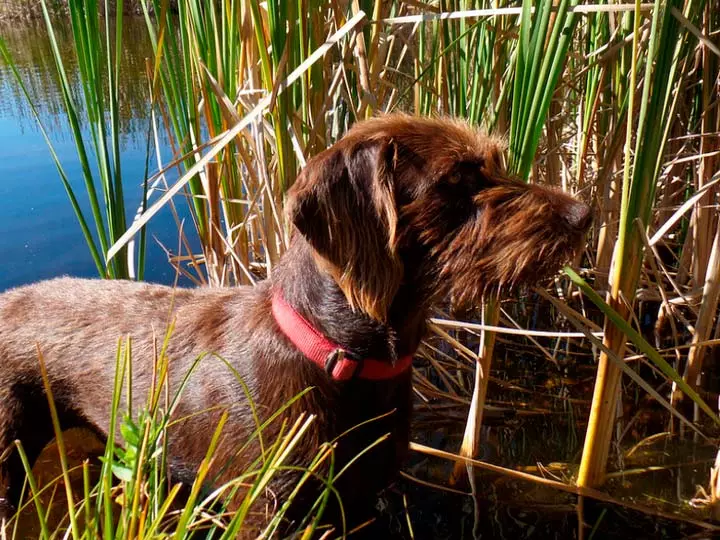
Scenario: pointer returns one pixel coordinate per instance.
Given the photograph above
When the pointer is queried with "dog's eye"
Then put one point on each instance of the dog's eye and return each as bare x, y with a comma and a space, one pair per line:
454, 179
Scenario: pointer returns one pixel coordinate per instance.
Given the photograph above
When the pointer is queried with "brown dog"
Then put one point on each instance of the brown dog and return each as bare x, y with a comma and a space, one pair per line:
400, 214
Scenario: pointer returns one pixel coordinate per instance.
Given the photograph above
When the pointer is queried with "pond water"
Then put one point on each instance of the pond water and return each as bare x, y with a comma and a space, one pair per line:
39, 234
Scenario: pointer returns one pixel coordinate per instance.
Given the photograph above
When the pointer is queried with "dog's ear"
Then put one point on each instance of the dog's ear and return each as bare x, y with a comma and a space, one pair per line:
343, 203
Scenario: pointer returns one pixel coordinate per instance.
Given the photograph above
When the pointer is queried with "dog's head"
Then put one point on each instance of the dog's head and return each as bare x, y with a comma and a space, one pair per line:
426, 201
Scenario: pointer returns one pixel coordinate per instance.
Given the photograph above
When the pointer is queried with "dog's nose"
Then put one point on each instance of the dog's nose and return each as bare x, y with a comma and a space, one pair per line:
578, 215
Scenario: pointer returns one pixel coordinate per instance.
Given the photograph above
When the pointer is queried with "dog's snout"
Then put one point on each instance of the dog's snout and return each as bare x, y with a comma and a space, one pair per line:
577, 214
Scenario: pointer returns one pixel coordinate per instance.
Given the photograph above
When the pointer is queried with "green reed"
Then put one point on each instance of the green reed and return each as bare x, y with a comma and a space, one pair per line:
664, 54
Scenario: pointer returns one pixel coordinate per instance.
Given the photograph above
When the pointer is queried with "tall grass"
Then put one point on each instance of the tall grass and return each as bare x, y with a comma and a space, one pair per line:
132, 496
539, 57
614, 102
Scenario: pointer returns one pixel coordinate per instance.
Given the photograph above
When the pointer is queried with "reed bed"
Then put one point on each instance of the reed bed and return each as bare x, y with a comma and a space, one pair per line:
597, 387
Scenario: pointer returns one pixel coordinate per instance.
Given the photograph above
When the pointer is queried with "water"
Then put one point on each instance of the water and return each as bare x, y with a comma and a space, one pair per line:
39, 234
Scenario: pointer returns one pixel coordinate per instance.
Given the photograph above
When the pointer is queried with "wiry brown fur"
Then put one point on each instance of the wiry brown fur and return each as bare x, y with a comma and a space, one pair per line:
400, 214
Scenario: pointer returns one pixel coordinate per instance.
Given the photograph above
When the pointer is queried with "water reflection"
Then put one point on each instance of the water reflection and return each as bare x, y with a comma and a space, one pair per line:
30, 47
39, 234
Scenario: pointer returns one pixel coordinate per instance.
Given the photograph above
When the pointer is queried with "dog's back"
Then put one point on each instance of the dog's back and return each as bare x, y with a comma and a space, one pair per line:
84, 319
76, 325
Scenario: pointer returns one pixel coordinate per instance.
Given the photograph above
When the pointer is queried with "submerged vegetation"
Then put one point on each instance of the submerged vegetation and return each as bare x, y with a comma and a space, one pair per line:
617, 103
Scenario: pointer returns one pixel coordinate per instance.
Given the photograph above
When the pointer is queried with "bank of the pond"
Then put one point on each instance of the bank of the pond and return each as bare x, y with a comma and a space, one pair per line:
32, 9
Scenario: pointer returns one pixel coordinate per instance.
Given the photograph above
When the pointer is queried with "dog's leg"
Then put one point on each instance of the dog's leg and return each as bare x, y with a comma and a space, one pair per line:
24, 416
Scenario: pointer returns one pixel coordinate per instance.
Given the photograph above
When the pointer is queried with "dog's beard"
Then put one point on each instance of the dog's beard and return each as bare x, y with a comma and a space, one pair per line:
507, 272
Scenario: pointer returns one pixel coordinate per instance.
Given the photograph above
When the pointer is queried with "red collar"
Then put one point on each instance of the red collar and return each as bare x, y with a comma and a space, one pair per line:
340, 363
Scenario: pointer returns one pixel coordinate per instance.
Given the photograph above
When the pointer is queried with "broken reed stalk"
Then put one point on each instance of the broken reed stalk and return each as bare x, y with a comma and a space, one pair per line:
471, 439
708, 308
706, 257
561, 486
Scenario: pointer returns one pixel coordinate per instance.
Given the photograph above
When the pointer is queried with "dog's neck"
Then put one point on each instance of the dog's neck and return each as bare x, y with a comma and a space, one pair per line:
317, 297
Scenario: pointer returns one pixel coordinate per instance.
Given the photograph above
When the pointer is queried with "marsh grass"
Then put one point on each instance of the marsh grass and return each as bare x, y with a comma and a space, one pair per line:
130, 495
614, 102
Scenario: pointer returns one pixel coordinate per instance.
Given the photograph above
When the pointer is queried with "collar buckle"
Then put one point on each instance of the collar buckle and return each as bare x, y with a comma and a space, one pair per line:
339, 355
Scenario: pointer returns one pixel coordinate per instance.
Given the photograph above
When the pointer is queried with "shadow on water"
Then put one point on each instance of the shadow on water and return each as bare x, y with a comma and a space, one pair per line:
40, 235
